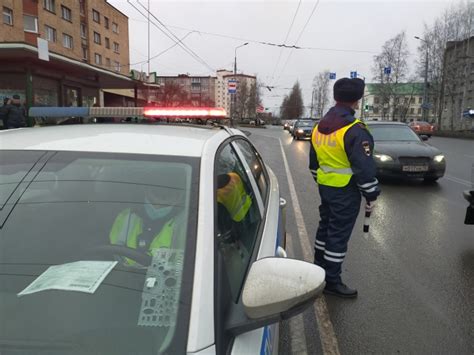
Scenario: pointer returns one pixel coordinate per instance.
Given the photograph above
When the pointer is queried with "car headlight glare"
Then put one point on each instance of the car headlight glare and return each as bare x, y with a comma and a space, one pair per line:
383, 157
300, 131
439, 158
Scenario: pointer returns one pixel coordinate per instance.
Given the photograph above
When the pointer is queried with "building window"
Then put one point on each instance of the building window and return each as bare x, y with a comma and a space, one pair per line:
107, 62
30, 23
98, 59
116, 47
96, 16
107, 43
376, 110
376, 100
84, 53
97, 38
115, 28
83, 30
49, 5
412, 111
82, 7
50, 33
67, 41
195, 80
106, 22
420, 100
66, 13
419, 111
116, 66
7, 16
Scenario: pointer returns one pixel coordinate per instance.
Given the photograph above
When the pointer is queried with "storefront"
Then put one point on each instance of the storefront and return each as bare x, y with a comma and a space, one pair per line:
58, 82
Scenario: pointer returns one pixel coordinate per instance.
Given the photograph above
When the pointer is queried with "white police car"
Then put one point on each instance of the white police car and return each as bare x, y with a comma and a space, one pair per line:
215, 282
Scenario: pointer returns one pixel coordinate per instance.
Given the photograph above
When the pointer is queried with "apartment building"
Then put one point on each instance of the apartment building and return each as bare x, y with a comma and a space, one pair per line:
186, 90
87, 42
400, 102
223, 98
458, 85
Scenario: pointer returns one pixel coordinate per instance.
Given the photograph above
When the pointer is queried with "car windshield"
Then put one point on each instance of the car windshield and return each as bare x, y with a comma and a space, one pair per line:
305, 124
384, 133
67, 215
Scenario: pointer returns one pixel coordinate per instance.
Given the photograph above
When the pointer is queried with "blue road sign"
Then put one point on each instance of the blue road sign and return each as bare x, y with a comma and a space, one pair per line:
332, 76
387, 70
353, 74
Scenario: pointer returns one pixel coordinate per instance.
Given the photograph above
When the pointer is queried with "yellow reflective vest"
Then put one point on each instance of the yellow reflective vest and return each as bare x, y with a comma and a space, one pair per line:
127, 228
234, 198
334, 166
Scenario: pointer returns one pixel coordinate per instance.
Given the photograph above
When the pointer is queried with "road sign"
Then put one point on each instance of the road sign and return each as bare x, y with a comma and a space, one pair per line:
387, 70
232, 86
332, 76
353, 74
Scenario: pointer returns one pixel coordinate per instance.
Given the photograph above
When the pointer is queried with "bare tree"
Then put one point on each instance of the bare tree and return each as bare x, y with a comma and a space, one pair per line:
395, 55
455, 24
320, 99
242, 100
173, 94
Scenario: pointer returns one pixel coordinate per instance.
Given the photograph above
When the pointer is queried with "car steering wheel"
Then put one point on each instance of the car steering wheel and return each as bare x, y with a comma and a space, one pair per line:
134, 254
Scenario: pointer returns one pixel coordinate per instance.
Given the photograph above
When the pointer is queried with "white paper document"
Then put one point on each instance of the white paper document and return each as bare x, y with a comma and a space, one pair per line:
79, 276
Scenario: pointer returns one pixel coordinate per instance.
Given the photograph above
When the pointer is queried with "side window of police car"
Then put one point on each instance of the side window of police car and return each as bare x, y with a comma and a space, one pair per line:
256, 166
238, 218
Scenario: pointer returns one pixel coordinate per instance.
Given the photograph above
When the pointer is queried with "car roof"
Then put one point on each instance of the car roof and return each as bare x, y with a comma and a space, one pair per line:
114, 138
393, 123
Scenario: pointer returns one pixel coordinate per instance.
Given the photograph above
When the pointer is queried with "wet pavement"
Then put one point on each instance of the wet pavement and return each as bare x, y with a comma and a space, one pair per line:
415, 271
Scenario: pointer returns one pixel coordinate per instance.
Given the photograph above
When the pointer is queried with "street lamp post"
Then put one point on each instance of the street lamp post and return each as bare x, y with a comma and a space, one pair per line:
234, 95
425, 85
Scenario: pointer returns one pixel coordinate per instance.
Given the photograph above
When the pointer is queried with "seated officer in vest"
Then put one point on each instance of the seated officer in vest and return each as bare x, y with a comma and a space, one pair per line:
157, 223
342, 164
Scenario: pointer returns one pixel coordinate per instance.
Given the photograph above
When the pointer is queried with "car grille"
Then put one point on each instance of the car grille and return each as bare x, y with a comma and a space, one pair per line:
414, 160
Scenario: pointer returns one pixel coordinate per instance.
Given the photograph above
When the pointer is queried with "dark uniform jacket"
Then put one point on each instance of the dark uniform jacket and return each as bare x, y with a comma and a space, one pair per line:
14, 115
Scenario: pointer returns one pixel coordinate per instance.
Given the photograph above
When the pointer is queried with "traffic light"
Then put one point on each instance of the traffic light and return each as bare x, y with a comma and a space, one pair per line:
366, 108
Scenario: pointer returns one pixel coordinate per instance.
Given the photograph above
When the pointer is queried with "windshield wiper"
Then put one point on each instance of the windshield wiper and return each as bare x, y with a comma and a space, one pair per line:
17, 344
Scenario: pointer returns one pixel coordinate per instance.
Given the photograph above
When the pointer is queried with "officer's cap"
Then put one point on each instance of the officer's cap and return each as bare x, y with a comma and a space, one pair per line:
348, 90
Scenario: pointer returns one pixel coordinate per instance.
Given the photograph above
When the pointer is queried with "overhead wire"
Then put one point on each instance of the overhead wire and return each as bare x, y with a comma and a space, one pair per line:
182, 45
177, 41
299, 37
266, 43
286, 38
162, 52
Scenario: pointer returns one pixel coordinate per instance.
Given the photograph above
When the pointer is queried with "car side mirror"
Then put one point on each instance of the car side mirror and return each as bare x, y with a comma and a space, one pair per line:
276, 289
424, 138
469, 196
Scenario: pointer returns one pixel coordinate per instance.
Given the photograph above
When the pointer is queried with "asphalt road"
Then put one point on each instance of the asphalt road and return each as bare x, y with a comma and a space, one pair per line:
415, 272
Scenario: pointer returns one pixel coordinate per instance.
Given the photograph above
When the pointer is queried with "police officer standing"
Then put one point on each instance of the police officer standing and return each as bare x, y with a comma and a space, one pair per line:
342, 164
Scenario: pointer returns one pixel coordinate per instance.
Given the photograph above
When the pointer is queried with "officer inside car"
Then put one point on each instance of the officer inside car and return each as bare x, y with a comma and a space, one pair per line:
342, 164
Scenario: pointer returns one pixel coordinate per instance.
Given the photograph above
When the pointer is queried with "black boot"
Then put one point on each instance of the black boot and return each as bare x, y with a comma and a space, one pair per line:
340, 290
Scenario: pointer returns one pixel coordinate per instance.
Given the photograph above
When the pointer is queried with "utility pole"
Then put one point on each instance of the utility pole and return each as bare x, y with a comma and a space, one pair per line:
425, 85
234, 96
312, 105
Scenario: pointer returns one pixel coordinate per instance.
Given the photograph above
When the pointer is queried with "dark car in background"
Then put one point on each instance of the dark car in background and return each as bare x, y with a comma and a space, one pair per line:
400, 153
303, 128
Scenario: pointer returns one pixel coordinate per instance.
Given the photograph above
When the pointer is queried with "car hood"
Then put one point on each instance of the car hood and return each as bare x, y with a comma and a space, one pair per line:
406, 149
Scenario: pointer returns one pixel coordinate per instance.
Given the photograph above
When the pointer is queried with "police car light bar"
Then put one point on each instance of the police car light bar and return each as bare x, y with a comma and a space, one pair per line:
189, 112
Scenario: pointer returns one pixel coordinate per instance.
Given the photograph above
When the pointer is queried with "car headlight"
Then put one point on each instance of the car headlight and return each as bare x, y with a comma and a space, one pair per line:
383, 157
439, 158
300, 131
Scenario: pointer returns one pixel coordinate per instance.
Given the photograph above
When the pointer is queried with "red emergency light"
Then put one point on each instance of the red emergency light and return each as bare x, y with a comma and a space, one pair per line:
189, 112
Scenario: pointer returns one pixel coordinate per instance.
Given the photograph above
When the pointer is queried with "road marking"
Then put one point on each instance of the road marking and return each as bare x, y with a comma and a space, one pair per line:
326, 329
459, 181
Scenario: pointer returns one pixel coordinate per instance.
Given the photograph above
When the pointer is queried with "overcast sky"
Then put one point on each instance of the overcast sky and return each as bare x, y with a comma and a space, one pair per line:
335, 26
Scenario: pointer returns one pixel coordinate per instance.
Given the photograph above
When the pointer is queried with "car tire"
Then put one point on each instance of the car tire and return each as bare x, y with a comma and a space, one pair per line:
430, 180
